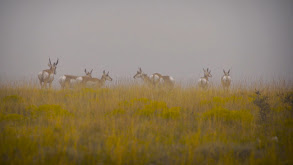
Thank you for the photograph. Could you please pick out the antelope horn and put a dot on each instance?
(57, 61)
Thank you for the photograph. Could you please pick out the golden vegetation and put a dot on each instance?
(141, 125)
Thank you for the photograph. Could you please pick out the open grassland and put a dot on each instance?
(133, 124)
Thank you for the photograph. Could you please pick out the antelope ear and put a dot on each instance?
(108, 73)
(140, 69)
(104, 72)
(91, 71)
(224, 71)
(85, 70)
(229, 71)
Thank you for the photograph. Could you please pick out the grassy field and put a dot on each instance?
(134, 124)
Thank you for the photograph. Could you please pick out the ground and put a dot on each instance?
(134, 124)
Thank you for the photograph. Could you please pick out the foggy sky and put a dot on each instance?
(252, 38)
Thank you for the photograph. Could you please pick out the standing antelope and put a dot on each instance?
(226, 79)
(99, 82)
(167, 80)
(47, 76)
(204, 81)
(69, 80)
(152, 79)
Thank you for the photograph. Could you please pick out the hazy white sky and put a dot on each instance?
(254, 38)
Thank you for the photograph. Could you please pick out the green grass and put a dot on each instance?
(140, 125)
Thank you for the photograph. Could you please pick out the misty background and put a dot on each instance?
(252, 38)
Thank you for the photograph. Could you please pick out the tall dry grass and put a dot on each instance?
(135, 124)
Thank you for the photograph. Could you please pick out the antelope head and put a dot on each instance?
(226, 73)
(138, 74)
(54, 66)
(106, 76)
(207, 73)
(89, 74)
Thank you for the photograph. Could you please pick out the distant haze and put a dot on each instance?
(252, 38)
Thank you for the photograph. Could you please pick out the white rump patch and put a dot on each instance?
(79, 79)
(62, 80)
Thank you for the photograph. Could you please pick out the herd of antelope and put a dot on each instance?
(47, 77)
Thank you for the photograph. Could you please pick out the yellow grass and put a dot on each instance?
(133, 124)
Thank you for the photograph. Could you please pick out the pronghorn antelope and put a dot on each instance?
(152, 79)
(204, 81)
(69, 80)
(226, 79)
(99, 82)
(47, 76)
(167, 80)
(83, 79)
